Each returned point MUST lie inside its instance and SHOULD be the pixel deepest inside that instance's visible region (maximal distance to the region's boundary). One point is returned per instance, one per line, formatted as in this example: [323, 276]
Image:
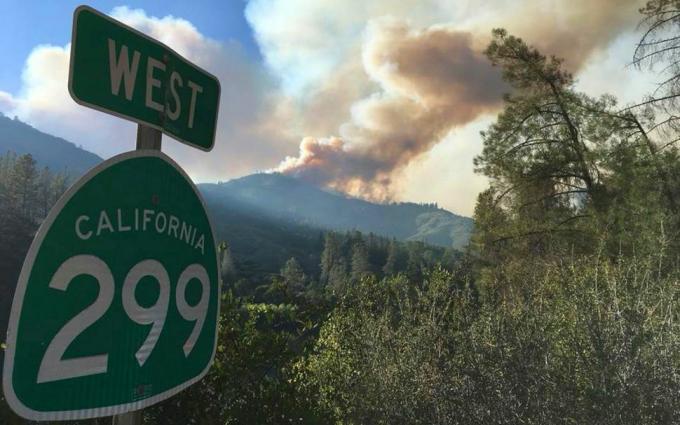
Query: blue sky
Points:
[26, 24]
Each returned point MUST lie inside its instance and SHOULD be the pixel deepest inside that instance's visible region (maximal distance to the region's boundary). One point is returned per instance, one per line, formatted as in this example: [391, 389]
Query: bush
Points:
[249, 381]
[586, 342]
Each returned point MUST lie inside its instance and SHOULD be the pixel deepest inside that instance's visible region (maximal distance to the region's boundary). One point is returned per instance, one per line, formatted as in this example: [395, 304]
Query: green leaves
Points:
[581, 343]
[567, 171]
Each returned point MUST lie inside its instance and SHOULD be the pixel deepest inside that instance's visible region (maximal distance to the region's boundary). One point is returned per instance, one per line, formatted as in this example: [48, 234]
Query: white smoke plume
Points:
[428, 81]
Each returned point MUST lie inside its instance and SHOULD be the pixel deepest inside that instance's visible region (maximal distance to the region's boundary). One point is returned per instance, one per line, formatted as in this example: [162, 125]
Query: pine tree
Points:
[361, 267]
[330, 256]
[553, 158]
[5, 169]
[294, 277]
[393, 263]
[6, 166]
[58, 187]
[44, 195]
[338, 278]
[227, 266]
[24, 186]
[414, 261]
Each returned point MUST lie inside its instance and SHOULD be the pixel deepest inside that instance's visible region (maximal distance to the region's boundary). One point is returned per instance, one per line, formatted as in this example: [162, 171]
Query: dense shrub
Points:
[585, 341]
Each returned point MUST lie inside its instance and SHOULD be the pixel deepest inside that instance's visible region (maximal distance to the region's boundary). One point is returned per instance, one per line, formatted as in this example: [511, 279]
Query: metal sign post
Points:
[132, 418]
[148, 138]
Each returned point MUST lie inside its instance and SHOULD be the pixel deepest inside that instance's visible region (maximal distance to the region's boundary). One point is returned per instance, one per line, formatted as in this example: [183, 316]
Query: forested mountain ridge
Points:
[59, 155]
[267, 196]
[262, 237]
[289, 198]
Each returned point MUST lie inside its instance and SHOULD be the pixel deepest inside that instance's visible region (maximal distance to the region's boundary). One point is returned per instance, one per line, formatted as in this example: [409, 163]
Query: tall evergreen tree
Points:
[58, 186]
[23, 185]
[294, 277]
[227, 266]
[393, 264]
[338, 278]
[361, 267]
[330, 257]
[554, 157]
[44, 194]
[660, 45]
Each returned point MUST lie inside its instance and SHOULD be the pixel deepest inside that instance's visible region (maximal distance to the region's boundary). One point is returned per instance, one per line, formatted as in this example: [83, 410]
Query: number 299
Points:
[54, 367]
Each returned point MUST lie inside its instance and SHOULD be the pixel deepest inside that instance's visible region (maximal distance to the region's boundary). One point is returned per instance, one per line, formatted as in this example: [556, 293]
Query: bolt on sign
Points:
[118, 70]
[117, 303]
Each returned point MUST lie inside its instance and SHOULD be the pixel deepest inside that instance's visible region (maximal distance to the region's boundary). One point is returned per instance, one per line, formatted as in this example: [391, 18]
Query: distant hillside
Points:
[50, 151]
[267, 218]
[284, 197]
[261, 244]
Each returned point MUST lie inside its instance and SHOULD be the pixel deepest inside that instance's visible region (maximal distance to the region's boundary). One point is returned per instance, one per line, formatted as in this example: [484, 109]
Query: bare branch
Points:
[544, 231]
[653, 100]
[552, 195]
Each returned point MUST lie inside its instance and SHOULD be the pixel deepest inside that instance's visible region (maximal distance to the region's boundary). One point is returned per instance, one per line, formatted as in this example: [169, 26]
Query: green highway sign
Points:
[118, 70]
[117, 303]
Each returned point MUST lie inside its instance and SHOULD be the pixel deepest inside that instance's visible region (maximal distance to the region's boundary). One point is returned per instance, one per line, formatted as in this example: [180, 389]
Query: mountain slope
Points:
[288, 198]
[49, 151]
[273, 206]
[261, 244]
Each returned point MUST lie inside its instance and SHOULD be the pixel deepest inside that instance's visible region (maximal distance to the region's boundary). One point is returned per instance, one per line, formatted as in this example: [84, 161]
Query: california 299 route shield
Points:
[117, 303]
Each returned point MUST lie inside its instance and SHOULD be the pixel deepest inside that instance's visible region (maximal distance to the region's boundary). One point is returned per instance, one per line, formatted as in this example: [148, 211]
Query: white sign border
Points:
[18, 301]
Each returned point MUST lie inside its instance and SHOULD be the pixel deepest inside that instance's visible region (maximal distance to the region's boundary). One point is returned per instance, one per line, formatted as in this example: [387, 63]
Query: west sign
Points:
[118, 70]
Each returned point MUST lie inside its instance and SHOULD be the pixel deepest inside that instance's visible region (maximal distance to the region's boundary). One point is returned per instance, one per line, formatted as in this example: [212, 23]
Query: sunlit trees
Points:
[294, 277]
[568, 172]
[21, 208]
[23, 185]
[361, 267]
[584, 342]
[26, 196]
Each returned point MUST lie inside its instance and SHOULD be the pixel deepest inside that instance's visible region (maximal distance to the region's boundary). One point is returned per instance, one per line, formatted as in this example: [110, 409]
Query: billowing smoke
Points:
[573, 29]
[429, 81]
[433, 80]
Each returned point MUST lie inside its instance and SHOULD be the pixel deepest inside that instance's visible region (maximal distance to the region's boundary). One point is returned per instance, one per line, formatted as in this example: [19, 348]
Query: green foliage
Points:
[264, 334]
[542, 153]
[251, 380]
[395, 259]
[361, 267]
[333, 268]
[228, 269]
[574, 251]
[25, 197]
[294, 277]
[23, 185]
[585, 342]
[569, 174]
[657, 50]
